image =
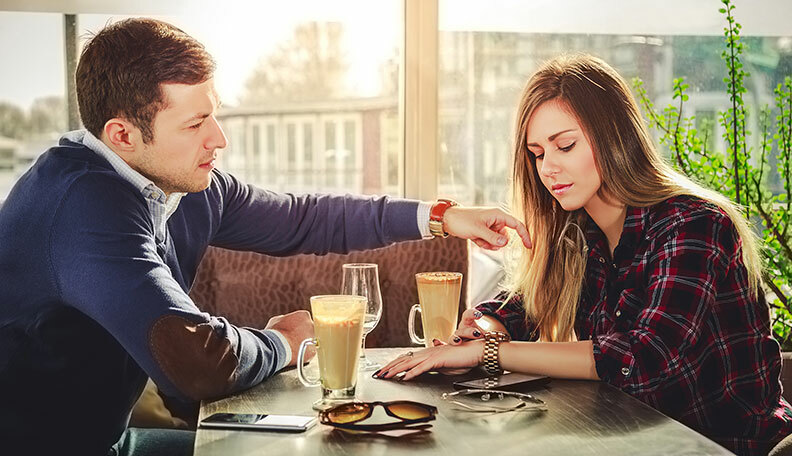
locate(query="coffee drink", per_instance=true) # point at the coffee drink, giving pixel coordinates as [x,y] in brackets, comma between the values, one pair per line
[338,329]
[438,294]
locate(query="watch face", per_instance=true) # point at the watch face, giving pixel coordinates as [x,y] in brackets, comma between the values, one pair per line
[438,209]
[497,335]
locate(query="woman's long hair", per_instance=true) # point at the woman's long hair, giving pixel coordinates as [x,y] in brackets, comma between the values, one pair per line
[550,276]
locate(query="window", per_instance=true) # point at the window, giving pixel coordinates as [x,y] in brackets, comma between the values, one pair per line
[314,64]
[291,147]
[32,90]
[279,76]
[330,155]
[308,154]
[487,51]
[350,154]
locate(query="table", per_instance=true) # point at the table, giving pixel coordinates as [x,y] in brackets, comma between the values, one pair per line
[584,417]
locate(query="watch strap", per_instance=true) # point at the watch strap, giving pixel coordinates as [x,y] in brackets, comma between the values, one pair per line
[492,341]
[436,215]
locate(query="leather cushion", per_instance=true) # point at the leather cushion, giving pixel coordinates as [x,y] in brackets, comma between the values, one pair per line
[249,288]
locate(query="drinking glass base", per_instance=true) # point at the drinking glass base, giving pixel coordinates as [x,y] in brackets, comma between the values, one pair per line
[332,397]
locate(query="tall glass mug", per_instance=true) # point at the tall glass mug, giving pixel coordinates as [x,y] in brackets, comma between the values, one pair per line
[338,329]
[438,294]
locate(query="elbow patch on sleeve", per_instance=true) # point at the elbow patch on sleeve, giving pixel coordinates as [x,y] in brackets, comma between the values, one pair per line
[199,362]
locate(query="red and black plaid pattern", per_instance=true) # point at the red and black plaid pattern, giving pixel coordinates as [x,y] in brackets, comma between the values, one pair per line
[674,325]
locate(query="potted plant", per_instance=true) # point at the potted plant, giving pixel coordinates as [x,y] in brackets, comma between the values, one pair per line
[741,170]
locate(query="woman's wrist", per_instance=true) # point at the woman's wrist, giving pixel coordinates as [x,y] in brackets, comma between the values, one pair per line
[476,347]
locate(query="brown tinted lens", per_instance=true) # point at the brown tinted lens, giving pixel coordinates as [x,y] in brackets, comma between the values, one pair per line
[409,410]
[348,413]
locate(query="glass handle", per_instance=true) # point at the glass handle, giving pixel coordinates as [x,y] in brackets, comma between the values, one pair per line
[301,364]
[416,308]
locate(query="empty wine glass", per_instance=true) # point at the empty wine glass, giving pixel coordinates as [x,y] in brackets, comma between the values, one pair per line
[362,279]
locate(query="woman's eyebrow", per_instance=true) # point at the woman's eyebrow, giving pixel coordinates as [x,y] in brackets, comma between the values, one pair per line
[551,137]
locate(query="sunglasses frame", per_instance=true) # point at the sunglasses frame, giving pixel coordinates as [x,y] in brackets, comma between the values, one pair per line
[526,399]
[401,424]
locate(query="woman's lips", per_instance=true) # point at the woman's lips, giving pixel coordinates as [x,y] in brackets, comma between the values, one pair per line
[560,189]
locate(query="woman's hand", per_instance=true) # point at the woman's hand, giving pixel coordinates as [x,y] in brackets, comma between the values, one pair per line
[468,328]
[438,358]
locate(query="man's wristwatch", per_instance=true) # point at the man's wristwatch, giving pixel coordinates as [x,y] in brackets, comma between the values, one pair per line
[492,340]
[436,216]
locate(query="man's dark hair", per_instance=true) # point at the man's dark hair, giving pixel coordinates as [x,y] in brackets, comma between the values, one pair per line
[122,68]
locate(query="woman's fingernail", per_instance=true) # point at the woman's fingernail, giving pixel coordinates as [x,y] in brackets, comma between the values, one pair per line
[477,314]
[501,240]
[476,333]
[457,339]
[375,374]
[435,341]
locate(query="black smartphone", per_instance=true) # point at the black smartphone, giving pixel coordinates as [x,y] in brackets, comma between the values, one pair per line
[512,381]
[261,422]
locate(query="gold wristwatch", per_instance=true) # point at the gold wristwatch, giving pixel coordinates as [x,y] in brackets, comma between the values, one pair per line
[492,340]
[436,217]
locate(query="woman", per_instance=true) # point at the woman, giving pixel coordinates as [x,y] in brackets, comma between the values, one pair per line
[638,277]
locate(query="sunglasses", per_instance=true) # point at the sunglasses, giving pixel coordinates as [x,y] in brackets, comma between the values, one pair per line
[347,416]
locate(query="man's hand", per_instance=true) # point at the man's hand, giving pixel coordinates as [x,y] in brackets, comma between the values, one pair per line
[295,327]
[486,226]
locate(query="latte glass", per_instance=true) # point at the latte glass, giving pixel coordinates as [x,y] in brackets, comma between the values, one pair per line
[338,329]
[438,294]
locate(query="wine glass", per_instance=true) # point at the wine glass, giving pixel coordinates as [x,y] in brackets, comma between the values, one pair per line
[362,279]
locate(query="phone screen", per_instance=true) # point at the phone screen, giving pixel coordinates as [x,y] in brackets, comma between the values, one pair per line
[262,421]
[511,381]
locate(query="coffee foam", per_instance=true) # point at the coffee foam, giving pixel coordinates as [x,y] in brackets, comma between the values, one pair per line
[430,277]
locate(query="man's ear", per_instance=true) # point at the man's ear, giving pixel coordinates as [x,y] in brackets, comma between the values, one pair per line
[122,136]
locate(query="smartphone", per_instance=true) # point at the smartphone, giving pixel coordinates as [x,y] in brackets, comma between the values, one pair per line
[260,422]
[512,381]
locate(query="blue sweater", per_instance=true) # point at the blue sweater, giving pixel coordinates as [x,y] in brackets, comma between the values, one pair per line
[91,304]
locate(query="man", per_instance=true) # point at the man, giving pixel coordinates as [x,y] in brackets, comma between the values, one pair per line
[100,242]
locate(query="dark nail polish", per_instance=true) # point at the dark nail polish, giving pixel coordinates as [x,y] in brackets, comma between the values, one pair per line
[477,314]
[375,374]
[384,374]
[476,333]
[457,339]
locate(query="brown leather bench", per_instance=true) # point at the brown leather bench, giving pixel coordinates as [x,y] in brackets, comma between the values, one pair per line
[249,288]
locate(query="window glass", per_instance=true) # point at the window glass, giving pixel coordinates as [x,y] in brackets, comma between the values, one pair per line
[488,51]
[277,72]
[32,90]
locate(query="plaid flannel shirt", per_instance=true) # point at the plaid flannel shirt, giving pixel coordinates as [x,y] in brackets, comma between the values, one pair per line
[673,324]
